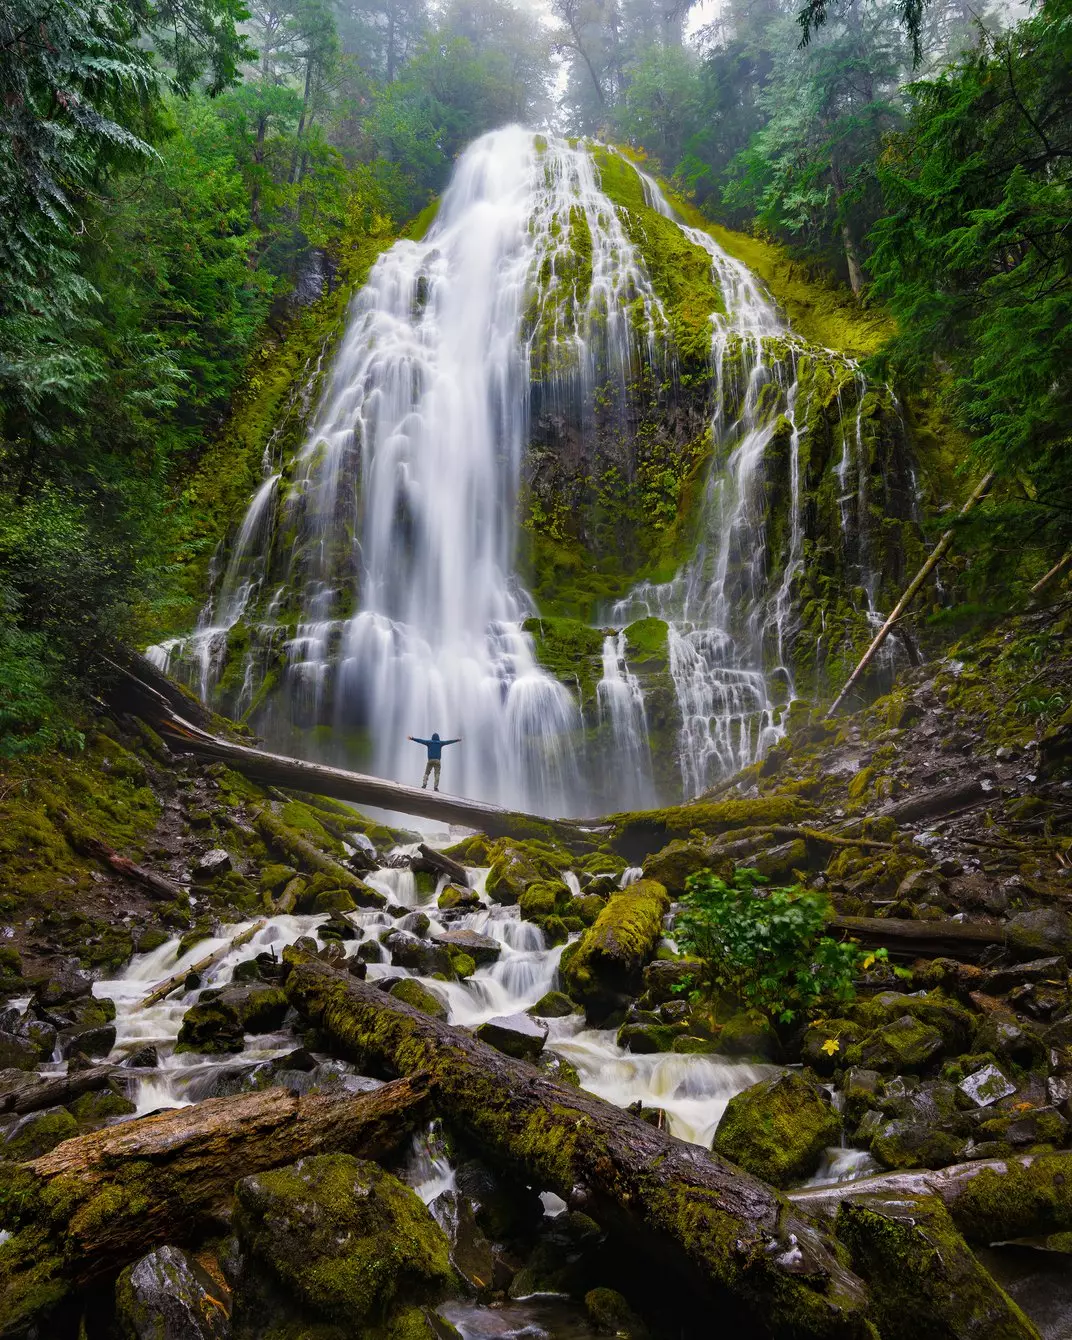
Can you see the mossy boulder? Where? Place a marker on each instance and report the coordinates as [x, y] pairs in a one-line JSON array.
[[610, 1314], [674, 863], [411, 992], [588, 907], [540, 900], [905, 1045], [748, 1034], [778, 1128], [1040, 931], [37, 1133], [345, 1238], [333, 900], [211, 1027], [17, 1052], [825, 1042], [517, 1035], [165, 1296], [636, 836], [606, 964], [926, 1283], [916, 1144], [672, 979], [646, 1039], [554, 1005]]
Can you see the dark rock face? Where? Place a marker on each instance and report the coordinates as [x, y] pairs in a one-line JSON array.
[[163, 1297], [409, 951], [480, 948], [517, 1035]]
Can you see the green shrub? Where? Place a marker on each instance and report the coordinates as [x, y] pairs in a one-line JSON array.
[[766, 946]]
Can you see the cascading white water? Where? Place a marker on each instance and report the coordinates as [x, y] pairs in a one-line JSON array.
[[621, 701]]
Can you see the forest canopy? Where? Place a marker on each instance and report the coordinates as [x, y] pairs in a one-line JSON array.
[[177, 177]]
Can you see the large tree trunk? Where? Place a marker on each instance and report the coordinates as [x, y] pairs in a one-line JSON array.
[[728, 1239], [921, 939], [97, 1202], [991, 1200]]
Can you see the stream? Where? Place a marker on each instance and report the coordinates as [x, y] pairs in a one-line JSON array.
[[692, 1090]]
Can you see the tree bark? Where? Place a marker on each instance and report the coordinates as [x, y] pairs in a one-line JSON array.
[[917, 581], [937, 802], [157, 886], [436, 863], [920, 939], [726, 1238], [991, 1200], [99, 1201], [60, 1089]]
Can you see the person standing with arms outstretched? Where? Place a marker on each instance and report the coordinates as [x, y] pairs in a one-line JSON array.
[[435, 748]]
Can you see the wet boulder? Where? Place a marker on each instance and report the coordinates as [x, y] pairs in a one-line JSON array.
[[553, 1005], [605, 966], [778, 1128], [454, 899], [37, 1133], [97, 1041], [420, 956], [926, 1283], [905, 1143], [677, 861], [480, 948], [66, 982], [906, 1044], [411, 992], [512, 871], [748, 1033], [18, 1053], [211, 1027], [546, 898], [517, 1035], [165, 1296], [647, 1039], [1039, 932], [825, 1042], [986, 1085], [344, 1238], [213, 864], [670, 979], [610, 1314]]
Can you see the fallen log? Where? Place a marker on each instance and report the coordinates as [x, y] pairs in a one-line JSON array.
[[317, 778], [921, 939], [992, 1200], [434, 862], [157, 886], [945, 543], [938, 802], [727, 1239], [165, 988], [288, 843], [57, 1090], [99, 1201]]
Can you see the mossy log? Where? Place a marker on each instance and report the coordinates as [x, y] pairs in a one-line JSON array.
[[58, 1089], [604, 966], [939, 801], [726, 1239], [155, 885], [434, 862], [289, 843], [202, 965], [922, 939], [99, 1201], [990, 1200]]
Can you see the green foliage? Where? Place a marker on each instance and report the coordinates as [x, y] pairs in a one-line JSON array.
[[766, 945]]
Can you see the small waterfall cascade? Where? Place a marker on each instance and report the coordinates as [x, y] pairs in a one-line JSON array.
[[620, 699], [731, 609]]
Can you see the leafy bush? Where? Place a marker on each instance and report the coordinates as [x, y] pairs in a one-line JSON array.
[[766, 946]]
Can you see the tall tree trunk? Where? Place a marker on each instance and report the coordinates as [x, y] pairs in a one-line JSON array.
[[852, 259]]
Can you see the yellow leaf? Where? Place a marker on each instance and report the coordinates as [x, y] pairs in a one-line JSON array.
[[868, 961], [830, 1046]]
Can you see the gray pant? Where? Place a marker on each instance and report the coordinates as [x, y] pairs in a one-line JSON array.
[[431, 769]]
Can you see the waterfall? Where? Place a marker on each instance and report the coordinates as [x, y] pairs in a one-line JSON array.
[[371, 592], [621, 703]]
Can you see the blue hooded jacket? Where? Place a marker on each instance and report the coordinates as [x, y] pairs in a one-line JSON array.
[[434, 746]]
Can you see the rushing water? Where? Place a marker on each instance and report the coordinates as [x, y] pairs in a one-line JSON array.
[[377, 566]]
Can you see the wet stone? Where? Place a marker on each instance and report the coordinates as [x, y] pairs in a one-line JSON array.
[[90, 1042], [986, 1086], [516, 1035], [166, 1297], [480, 948], [213, 863], [554, 1005]]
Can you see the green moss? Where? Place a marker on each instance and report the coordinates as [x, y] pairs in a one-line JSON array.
[[571, 651], [608, 958], [417, 229], [778, 1128], [412, 992]]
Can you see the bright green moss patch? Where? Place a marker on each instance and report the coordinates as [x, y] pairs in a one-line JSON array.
[[607, 961], [570, 650], [778, 1128]]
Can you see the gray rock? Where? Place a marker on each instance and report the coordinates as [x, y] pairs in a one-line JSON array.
[[407, 951], [162, 1297], [986, 1086], [480, 948], [90, 1041], [416, 923], [1000, 980], [66, 982], [145, 1058], [1042, 930], [515, 1035], [213, 863]]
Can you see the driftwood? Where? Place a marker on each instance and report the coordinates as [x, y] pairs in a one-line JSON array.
[[157, 886], [436, 863], [992, 1200], [96, 1202], [1055, 571], [724, 1237], [291, 844], [911, 590], [937, 802], [165, 988], [921, 939], [58, 1089]]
